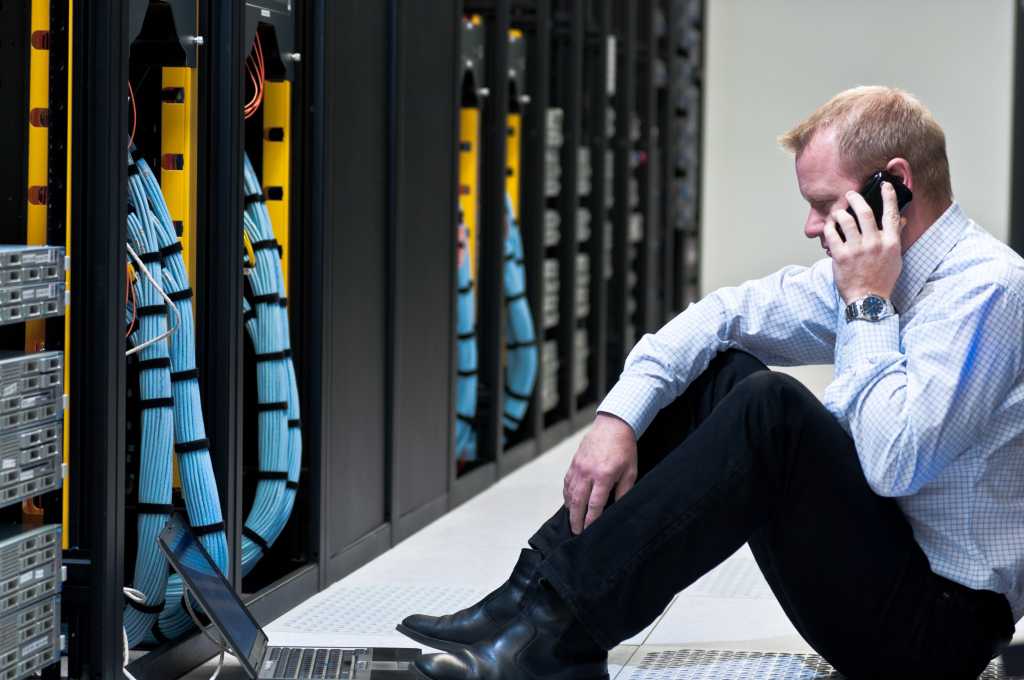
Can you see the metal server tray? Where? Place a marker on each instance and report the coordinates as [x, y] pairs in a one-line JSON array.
[[30, 639], [24, 482], [31, 445], [19, 257], [25, 311]]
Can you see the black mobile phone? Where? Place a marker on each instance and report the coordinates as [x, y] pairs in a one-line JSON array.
[[872, 193]]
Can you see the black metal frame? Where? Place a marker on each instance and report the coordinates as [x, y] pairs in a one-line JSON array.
[[92, 596]]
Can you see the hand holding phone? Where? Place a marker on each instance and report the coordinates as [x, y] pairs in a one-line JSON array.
[[872, 193]]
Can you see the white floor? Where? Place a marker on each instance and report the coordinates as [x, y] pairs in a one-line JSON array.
[[466, 553]]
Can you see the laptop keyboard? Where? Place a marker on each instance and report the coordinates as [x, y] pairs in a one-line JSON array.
[[309, 662]]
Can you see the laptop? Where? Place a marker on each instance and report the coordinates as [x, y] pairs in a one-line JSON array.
[[246, 639]]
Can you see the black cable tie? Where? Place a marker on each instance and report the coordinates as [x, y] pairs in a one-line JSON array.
[[145, 608], [467, 374], [513, 298], [294, 422], [517, 421], [267, 244], [149, 364], [157, 635], [172, 249], [132, 169], [513, 346], [151, 310], [517, 395], [466, 289], [256, 538], [270, 356], [467, 336], [511, 257], [466, 419], [272, 406], [129, 209], [204, 529], [271, 298], [192, 446], [271, 475], [287, 353], [165, 402], [253, 198], [185, 375], [283, 301], [249, 314], [149, 258], [291, 485], [154, 509], [178, 296]]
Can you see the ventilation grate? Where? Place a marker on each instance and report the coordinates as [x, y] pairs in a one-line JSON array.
[[701, 664], [737, 577], [374, 609]]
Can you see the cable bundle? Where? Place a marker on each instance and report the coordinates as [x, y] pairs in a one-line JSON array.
[[199, 486], [521, 340], [280, 434], [465, 386], [149, 320]]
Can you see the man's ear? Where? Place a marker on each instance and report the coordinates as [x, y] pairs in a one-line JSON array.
[[901, 168]]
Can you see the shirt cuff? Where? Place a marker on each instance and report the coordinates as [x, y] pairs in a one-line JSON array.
[[859, 340], [633, 399]]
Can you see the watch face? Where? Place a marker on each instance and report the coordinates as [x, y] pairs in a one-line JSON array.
[[873, 306]]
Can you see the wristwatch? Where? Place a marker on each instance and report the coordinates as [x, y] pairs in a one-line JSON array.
[[869, 308]]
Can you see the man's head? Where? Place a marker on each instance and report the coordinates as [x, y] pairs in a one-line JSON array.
[[863, 130]]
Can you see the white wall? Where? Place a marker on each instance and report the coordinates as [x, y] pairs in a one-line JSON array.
[[770, 63]]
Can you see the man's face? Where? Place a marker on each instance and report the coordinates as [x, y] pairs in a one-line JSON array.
[[822, 182]]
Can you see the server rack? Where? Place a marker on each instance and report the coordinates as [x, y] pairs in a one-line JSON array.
[[379, 460]]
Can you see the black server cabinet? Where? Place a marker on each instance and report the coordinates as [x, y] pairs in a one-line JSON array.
[[422, 314], [353, 257]]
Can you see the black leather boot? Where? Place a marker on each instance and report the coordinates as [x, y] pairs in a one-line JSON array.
[[543, 641], [461, 629]]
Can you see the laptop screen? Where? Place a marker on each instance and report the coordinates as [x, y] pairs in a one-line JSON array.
[[218, 599]]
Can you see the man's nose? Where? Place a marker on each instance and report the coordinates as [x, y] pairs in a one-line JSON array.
[[814, 227]]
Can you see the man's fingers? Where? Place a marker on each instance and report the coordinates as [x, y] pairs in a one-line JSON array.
[[598, 499], [832, 238], [891, 222], [578, 505], [848, 225], [625, 484]]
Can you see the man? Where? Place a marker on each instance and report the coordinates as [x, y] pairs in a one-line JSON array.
[[888, 520]]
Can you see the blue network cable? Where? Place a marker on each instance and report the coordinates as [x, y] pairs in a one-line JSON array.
[[157, 428], [466, 383], [199, 486], [280, 434], [520, 337], [520, 345]]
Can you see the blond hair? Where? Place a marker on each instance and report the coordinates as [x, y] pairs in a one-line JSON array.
[[875, 124]]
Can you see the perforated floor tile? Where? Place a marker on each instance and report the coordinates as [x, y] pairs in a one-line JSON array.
[[373, 609], [701, 664], [737, 577]]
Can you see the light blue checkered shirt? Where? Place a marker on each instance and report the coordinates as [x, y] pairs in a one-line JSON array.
[[933, 397]]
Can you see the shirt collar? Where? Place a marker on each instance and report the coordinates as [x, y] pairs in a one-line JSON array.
[[922, 258]]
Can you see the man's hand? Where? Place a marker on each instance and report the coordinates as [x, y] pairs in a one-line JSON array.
[[605, 461], [871, 259]]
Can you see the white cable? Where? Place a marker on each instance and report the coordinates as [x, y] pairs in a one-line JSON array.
[[170, 305], [139, 597], [222, 643]]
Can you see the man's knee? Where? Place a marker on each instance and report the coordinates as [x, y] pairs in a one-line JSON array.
[[743, 363], [776, 388]]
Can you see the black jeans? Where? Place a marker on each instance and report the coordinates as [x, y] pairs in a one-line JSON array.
[[750, 455]]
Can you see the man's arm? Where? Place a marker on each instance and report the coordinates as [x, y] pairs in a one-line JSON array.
[[786, 318], [913, 409]]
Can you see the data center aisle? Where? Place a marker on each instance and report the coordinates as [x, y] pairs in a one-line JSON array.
[[726, 625]]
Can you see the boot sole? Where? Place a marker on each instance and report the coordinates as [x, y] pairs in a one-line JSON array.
[[435, 643]]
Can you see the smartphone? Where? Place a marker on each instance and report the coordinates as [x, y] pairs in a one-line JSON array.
[[872, 193]]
